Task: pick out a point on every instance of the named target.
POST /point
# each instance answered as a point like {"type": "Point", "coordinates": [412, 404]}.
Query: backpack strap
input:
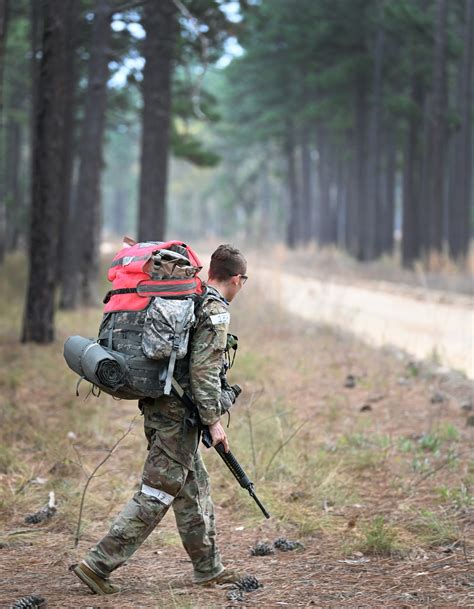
{"type": "Point", "coordinates": [172, 362]}
{"type": "Point", "coordinates": [111, 293]}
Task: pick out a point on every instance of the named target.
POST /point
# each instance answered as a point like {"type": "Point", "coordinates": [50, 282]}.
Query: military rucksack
{"type": "Point", "coordinates": [148, 315]}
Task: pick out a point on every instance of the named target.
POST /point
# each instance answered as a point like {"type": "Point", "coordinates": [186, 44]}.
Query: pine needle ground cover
{"type": "Point", "coordinates": [362, 456]}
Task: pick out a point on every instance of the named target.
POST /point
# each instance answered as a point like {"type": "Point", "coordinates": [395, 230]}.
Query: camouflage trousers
{"type": "Point", "coordinates": [165, 483]}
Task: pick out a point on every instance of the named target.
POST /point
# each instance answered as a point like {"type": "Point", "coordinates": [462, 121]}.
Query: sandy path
{"type": "Point", "coordinates": [420, 327]}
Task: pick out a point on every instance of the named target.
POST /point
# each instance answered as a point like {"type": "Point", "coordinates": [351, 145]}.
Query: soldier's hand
{"type": "Point", "coordinates": [218, 435]}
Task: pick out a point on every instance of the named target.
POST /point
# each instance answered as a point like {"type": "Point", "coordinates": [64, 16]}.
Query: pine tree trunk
{"type": "Point", "coordinates": [160, 23]}
{"type": "Point", "coordinates": [292, 235]}
{"type": "Point", "coordinates": [437, 149]}
{"type": "Point", "coordinates": [324, 179]}
{"type": "Point", "coordinates": [352, 220]}
{"type": "Point", "coordinates": [386, 233]}
{"type": "Point", "coordinates": [461, 197]}
{"type": "Point", "coordinates": [342, 167]}
{"type": "Point", "coordinates": [373, 204]}
{"type": "Point", "coordinates": [46, 180]}
{"type": "Point", "coordinates": [3, 212]}
{"type": "Point", "coordinates": [306, 187]}
{"type": "Point", "coordinates": [361, 227]}
{"type": "Point", "coordinates": [13, 164]}
{"type": "Point", "coordinates": [67, 234]}
{"type": "Point", "coordinates": [416, 178]}
{"type": "Point", "coordinates": [89, 207]}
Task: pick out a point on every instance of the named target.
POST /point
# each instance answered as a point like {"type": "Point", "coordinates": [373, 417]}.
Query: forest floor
{"type": "Point", "coordinates": [363, 455]}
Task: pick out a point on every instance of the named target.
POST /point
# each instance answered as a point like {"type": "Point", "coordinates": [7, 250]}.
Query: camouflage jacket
{"type": "Point", "coordinates": [202, 375]}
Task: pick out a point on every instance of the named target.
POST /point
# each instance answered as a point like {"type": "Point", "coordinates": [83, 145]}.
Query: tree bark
{"type": "Point", "coordinates": [46, 180]}
{"type": "Point", "coordinates": [292, 236]}
{"type": "Point", "coordinates": [386, 232]}
{"type": "Point", "coordinates": [323, 182]}
{"type": "Point", "coordinates": [13, 189]}
{"type": "Point", "coordinates": [413, 200]}
{"type": "Point", "coordinates": [3, 212]}
{"type": "Point", "coordinates": [66, 234]}
{"type": "Point", "coordinates": [436, 175]}
{"type": "Point", "coordinates": [360, 227]}
{"type": "Point", "coordinates": [373, 200]}
{"type": "Point", "coordinates": [461, 201]}
{"type": "Point", "coordinates": [306, 187]}
{"type": "Point", "coordinates": [160, 23]}
{"type": "Point", "coordinates": [88, 204]}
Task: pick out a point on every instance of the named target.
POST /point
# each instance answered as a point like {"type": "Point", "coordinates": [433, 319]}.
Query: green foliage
{"type": "Point", "coordinates": [379, 538]}
{"type": "Point", "coordinates": [460, 496]}
{"type": "Point", "coordinates": [436, 529]}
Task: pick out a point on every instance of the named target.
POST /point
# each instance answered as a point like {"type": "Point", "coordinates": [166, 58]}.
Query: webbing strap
{"type": "Point", "coordinates": [169, 374]}
{"type": "Point", "coordinates": [111, 331]}
{"type": "Point", "coordinates": [111, 293]}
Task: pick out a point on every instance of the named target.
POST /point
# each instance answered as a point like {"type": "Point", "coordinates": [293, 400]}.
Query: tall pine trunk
{"type": "Point", "coordinates": [461, 202]}
{"type": "Point", "coordinates": [66, 234]}
{"type": "Point", "coordinates": [306, 187]}
{"type": "Point", "coordinates": [88, 203]}
{"type": "Point", "coordinates": [46, 179]}
{"type": "Point", "coordinates": [292, 234]}
{"type": "Point", "coordinates": [387, 219]}
{"type": "Point", "coordinates": [373, 202]}
{"type": "Point", "coordinates": [436, 175]}
{"type": "Point", "coordinates": [160, 23]}
{"type": "Point", "coordinates": [361, 226]}
{"type": "Point", "coordinates": [13, 182]}
{"type": "Point", "coordinates": [3, 212]}
{"type": "Point", "coordinates": [413, 230]}
{"type": "Point", "coordinates": [324, 183]}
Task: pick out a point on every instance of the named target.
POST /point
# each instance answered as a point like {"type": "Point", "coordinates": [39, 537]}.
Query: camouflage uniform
{"type": "Point", "coordinates": [174, 473]}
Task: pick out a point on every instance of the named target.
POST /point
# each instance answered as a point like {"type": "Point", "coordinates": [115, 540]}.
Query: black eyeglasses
{"type": "Point", "coordinates": [243, 277]}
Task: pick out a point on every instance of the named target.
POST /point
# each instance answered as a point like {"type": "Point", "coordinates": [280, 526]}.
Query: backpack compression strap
{"type": "Point", "coordinates": [111, 293]}
{"type": "Point", "coordinates": [172, 289]}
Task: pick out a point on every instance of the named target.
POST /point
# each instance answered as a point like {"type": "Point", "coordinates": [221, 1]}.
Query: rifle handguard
{"type": "Point", "coordinates": [235, 468]}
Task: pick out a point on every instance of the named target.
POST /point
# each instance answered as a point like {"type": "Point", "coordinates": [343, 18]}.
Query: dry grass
{"type": "Point", "coordinates": [381, 498]}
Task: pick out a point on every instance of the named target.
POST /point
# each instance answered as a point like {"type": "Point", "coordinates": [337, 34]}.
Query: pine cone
{"type": "Point", "coordinates": [30, 602]}
{"type": "Point", "coordinates": [262, 549]}
{"type": "Point", "coordinates": [285, 545]}
{"type": "Point", "coordinates": [248, 583]}
{"type": "Point", "coordinates": [44, 514]}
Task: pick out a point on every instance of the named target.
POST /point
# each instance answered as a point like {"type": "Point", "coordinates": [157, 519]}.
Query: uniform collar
{"type": "Point", "coordinates": [211, 288]}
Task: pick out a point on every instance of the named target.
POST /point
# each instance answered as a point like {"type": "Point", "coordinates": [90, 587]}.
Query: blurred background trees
{"type": "Point", "coordinates": [344, 123]}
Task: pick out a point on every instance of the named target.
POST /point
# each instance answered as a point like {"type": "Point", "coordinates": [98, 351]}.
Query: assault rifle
{"type": "Point", "coordinates": [228, 457]}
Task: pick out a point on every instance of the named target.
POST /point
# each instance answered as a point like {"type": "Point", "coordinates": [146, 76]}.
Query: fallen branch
{"type": "Point", "coordinates": [248, 415]}
{"type": "Point", "coordinates": [417, 481]}
{"type": "Point", "coordinates": [93, 475]}
{"type": "Point", "coordinates": [283, 444]}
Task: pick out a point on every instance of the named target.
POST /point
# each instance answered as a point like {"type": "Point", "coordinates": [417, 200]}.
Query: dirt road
{"type": "Point", "coordinates": [423, 327]}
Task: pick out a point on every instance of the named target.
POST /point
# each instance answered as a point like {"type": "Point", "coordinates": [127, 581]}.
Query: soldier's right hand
{"type": "Point", "coordinates": [218, 435]}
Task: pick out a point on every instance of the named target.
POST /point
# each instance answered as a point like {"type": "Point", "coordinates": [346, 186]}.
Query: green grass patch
{"type": "Point", "coordinates": [378, 538]}
{"type": "Point", "coordinates": [435, 529]}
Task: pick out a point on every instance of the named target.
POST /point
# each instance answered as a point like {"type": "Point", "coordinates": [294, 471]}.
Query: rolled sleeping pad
{"type": "Point", "coordinates": [96, 364]}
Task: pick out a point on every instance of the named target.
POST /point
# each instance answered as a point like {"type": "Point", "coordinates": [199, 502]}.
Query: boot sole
{"type": "Point", "coordinates": [94, 586]}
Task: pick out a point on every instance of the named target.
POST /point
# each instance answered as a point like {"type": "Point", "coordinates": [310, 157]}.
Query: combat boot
{"type": "Point", "coordinates": [98, 584]}
{"type": "Point", "coordinates": [227, 576]}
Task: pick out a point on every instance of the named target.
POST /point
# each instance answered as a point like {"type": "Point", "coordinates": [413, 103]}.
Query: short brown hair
{"type": "Point", "coordinates": [226, 262]}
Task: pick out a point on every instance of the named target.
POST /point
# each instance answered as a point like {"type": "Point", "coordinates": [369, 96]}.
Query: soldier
{"type": "Point", "coordinates": [174, 473]}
